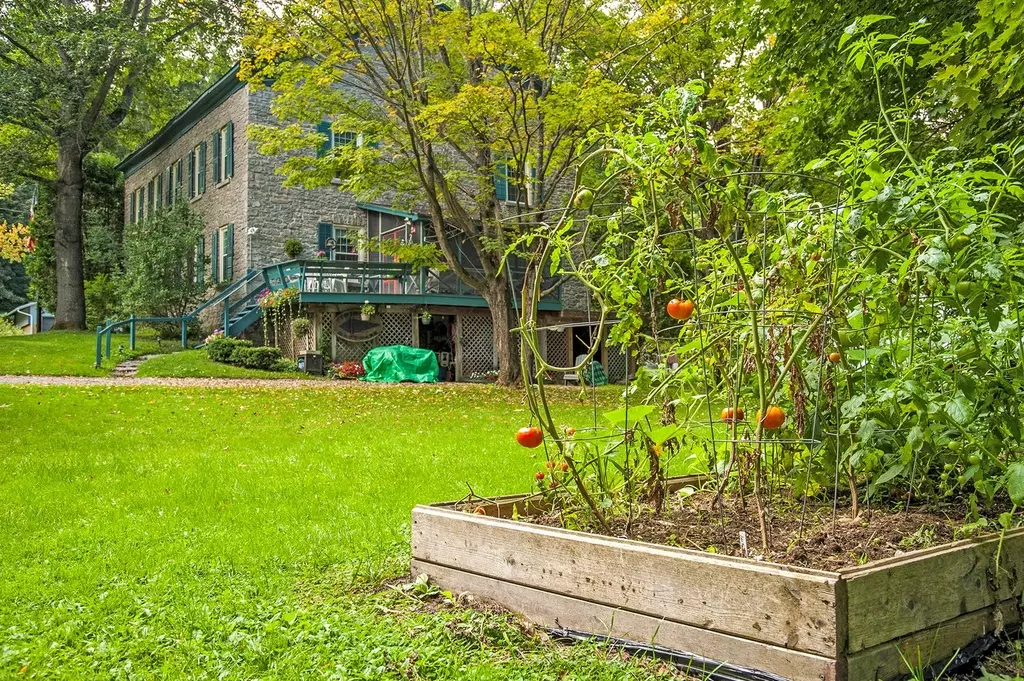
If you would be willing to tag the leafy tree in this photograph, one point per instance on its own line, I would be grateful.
(454, 101)
(159, 277)
(71, 73)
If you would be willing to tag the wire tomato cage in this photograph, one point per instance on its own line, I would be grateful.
(761, 331)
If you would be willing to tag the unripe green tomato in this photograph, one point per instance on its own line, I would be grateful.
(846, 337)
(954, 446)
(948, 467)
(959, 243)
(964, 288)
(584, 198)
(962, 479)
(974, 459)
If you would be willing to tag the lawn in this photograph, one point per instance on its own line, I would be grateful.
(245, 533)
(70, 353)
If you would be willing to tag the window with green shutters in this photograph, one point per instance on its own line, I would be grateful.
(224, 253)
(131, 208)
(160, 191)
(229, 150)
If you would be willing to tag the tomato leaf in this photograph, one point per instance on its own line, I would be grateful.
(811, 307)
(659, 435)
(959, 409)
(628, 416)
(1015, 482)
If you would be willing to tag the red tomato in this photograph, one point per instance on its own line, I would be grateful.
(773, 418)
(539, 475)
(729, 414)
(570, 432)
(679, 309)
(563, 467)
(480, 510)
(530, 436)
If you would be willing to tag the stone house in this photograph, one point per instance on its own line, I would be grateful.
(203, 156)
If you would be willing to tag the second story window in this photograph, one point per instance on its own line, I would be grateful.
(507, 186)
(140, 204)
(224, 154)
(197, 171)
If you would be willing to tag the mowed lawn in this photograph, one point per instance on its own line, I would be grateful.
(72, 353)
(246, 533)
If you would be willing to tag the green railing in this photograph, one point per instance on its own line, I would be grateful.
(105, 332)
(373, 279)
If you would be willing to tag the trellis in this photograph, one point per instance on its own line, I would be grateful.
(396, 329)
(477, 344)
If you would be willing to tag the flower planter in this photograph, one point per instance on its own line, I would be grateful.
(791, 622)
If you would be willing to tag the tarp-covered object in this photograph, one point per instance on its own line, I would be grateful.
(397, 363)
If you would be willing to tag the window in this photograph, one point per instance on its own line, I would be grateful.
(160, 191)
(222, 254)
(140, 204)
(197, 171)
(179, 173)
(224, 154)
(342, 139)
(151, 196)
(506, 185)
(346, 244)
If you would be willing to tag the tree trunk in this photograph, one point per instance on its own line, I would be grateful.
(498, 300)
(70, 312)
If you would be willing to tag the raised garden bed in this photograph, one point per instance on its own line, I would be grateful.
(858, 624)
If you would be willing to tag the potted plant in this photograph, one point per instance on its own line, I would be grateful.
(367, 311)
(293, 249)
(425, 317)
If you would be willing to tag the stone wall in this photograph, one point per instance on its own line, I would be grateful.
(221, 204)
(280, 213)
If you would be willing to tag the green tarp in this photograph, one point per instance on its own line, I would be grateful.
(397, 363)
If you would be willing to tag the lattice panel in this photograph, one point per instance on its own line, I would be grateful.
(326, 330)
(396, 329)
(349, 350)
(618, 365)
(556, 349)
(477, 344)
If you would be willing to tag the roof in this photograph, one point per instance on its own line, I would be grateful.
(214, 96)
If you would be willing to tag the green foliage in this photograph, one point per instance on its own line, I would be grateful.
(101, 300)
(159, 276)
(7, 328)
(222, 349)
(262, 358)
(292, 248)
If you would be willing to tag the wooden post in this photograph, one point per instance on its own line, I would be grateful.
(131, 332)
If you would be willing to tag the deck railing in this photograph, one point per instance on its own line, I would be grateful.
(371, 279)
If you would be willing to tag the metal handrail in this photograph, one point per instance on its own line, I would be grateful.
(226, 293)
(131, 322)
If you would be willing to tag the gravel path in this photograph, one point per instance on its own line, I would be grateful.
(284, 383)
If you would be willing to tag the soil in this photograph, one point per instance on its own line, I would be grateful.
(796, 537)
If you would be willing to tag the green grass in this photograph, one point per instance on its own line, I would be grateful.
(239, 533)
(195, 364)
(70, 353)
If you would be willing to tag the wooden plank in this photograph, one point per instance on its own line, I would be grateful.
(553, 610)
(935, 645)
(922, 589)
(791, 608)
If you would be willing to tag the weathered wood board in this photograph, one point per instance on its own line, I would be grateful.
(798, 623)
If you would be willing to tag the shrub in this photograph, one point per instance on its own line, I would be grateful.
(285, 365)
(7, 328)
(293, 248)
(222, 349)
(101, 300)
(264, 358)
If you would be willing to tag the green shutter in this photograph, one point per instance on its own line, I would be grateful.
(178, 174)
(191, 174)
(131, 208)
(324, 230)
(324, 128)
(229, 253)
(501, 181)
(202, 167)
(216, 158)
(200, 259)
(215, 257)
(229, 159)
(160, 191)
(170, 188)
